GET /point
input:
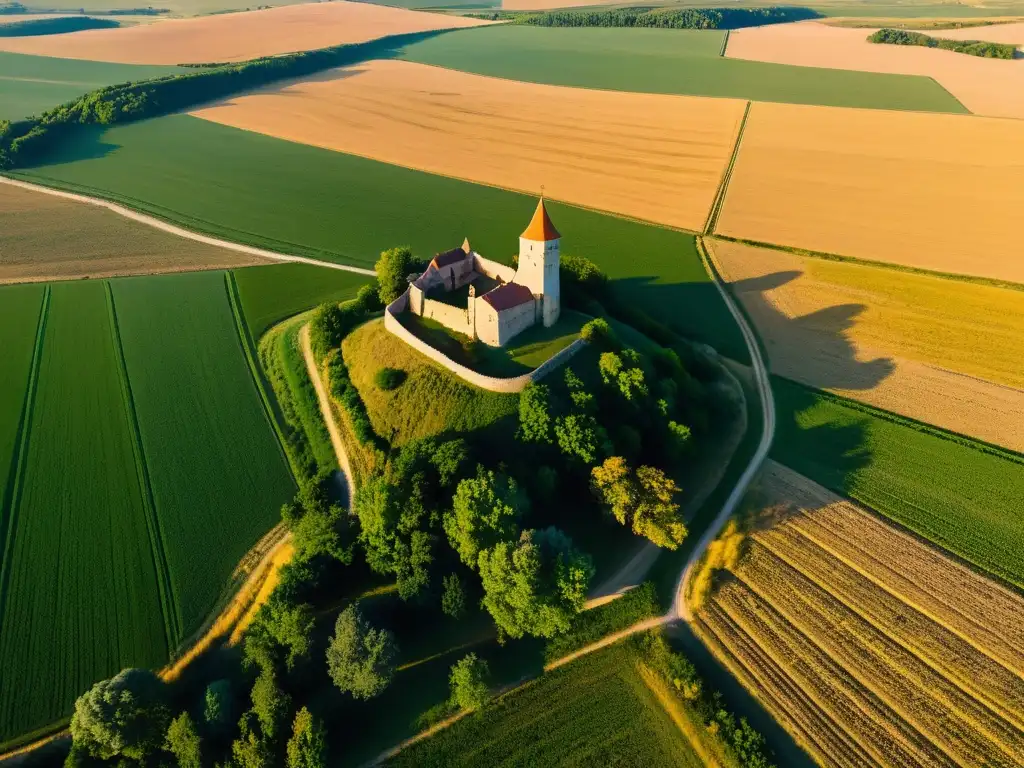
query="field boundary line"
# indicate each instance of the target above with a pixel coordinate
(723, 185)
(166, 226)
(17, 469)
(157, 543)
(991, 282)
(725, 45)
(680, 607)
(245, 341)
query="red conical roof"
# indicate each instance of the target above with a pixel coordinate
(540, 227)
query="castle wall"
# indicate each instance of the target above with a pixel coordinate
(456, 318)
(493, 269)
(486, 323)
(515, 320)
(416, 297)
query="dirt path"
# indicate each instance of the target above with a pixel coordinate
(328, 414)
(156, 223)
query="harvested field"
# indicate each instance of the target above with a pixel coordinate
(238, 36)
(993, 33)
(869, 646)
(942, 351)
(43, 237)
(654, 157)
(985, 86)
(936, 192)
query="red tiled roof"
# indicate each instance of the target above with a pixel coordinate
(453, 256)
(540, 227)
(508, 295)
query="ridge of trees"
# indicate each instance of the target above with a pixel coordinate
(982, 48)
(663, 18)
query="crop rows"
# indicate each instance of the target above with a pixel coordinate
(853, 652)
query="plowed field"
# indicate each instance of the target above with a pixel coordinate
(654, 157)
(942, 351)
(985, 86)
(938, 192)
(871, 647)
(237, 36)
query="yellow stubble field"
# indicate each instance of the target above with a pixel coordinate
(237, 36)
(936, 192)
(869, 646)
(943, 351)
(653, 157)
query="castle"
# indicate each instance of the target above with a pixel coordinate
(486, 300)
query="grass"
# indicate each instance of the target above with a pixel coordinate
(81, 595)
(431, 401)
(314, 202)
(667, 61)
(590, 626)
(595, 711)
(218, 474)
(270, 294)
(962, 495)
(525, 352)
(30, 85)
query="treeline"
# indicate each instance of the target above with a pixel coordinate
(54, 26)
(663, 18)
(980, 48)
(26, 141)
(13, 9)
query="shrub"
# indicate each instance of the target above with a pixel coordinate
(468, 682)
(389, 378)
(600, 334)
(368, 297)
(183, 742)
(360, 658)
(348, 397)
(453, 598)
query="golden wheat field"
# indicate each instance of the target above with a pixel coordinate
(43, 237)
(946, 352)
(869, 646)
(237, 36)
(936, 192)
(985, 86)
(653, 157)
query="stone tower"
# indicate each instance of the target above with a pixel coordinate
(538, 263)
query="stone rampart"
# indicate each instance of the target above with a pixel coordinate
(493, 269)
(456, 318)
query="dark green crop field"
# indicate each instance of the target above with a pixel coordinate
(313, 202)
(595, 711)
(961, 495)
(30, 85)
(219, 477)
(272, 293)
(667, 61)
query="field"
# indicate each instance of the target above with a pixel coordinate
(218, 475)
(946, 352)
(237, 36)
(596, 711)
(81, 587)
(30, 85)
(312, 202)
(927, 191)
(271, 293)
(985, 86)
(662, 164)
(43, 237)
(431, 401)
(665, 61)
(870, 646)
(961, 495)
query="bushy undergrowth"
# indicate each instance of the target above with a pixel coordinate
(982, 48)
(590, 626)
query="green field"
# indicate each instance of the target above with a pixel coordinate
(30, 85)
(272, 293)
(666, 61)
(217, 472)
(963, 496)
(594, 711)
(81, 594)
(313, 202)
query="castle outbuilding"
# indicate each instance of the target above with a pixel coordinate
(500, 302)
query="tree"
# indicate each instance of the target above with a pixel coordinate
(579, 435)
(643, 500)
(183, 742)
(393, 267)
(250, 749)
(535, 419)
(279, 629)
(468, 682)
(218, 704)
(453, 598)
(270, 704)
(450, 461)
(623, 371)
(124, 716)
(360, 658)
(484, 511)
(307, 748)
(600, 334)
(535, 586)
